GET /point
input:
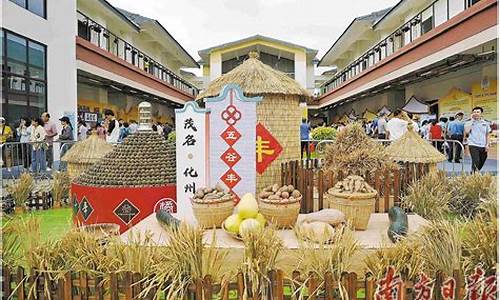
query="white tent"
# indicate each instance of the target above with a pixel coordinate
(384, 110)
(415, 106)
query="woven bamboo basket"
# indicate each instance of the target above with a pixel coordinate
(357, 207)
(213, 214)
(282, 214)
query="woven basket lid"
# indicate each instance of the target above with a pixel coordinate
(413, 149)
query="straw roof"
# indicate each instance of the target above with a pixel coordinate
(412, 148)
(88, 151)
(256, 78)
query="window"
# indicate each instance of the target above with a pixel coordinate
(456, 7)
(415, 29)
(390, 46)
(38, 7)
(441, 11)
(427, 20)
(24, 79)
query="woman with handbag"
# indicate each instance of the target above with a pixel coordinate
(39, 146)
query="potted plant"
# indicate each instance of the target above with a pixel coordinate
(20, 191)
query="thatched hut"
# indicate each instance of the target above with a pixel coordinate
(415, 153)
(279, 110)
(84, 154)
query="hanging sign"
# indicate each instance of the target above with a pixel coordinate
(191, 127)
(484, 94)
(232, 131)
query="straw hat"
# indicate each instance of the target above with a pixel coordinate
(413, 149)
(256, 78)
(88, 151)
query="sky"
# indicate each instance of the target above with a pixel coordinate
(200, 24)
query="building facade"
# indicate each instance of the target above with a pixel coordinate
(428, 50)
(78, 58)
(38, 59)
(124, 58)
(295, 60)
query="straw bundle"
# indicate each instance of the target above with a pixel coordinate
(255, 79)
(84, 154)
(355, 153)
(279, 111)
(412, 148)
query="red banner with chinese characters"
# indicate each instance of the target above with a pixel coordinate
(267, 148)
(125, 206)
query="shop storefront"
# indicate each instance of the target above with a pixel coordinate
(95, 95)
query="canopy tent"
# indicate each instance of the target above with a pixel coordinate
(384, 110)
(369, 116)
(415, 106)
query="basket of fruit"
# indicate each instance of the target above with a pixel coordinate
(280, 205)
(355, 198)
(211, 206)
(246, 219)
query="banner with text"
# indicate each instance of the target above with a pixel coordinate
(232, 145)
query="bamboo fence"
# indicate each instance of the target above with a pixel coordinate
(127, 286)
(313, 182)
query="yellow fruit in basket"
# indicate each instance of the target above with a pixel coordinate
(260, 218)
(248, 207)
(248, 226)
(232, 223)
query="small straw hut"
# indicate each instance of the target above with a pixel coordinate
(279, 111)
(416, 153)
(84, 154)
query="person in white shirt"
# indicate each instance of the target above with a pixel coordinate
(39, 145)
(396, 127)
(381, 126)
(159, 128)
(24, 133)
(82, 130)
(113, 132)
(476, 137)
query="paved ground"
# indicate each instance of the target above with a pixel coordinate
(490, 166)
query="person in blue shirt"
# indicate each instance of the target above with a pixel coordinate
(455, 132)
(476, 132)
(124, 131)
(305, 129)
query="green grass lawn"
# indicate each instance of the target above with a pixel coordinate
(53, 222)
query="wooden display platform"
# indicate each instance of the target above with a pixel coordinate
(370, 240)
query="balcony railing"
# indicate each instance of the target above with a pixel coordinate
(437, 13)
(104, 39)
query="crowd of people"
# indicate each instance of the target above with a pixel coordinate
(444, 133)
(35, 138)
